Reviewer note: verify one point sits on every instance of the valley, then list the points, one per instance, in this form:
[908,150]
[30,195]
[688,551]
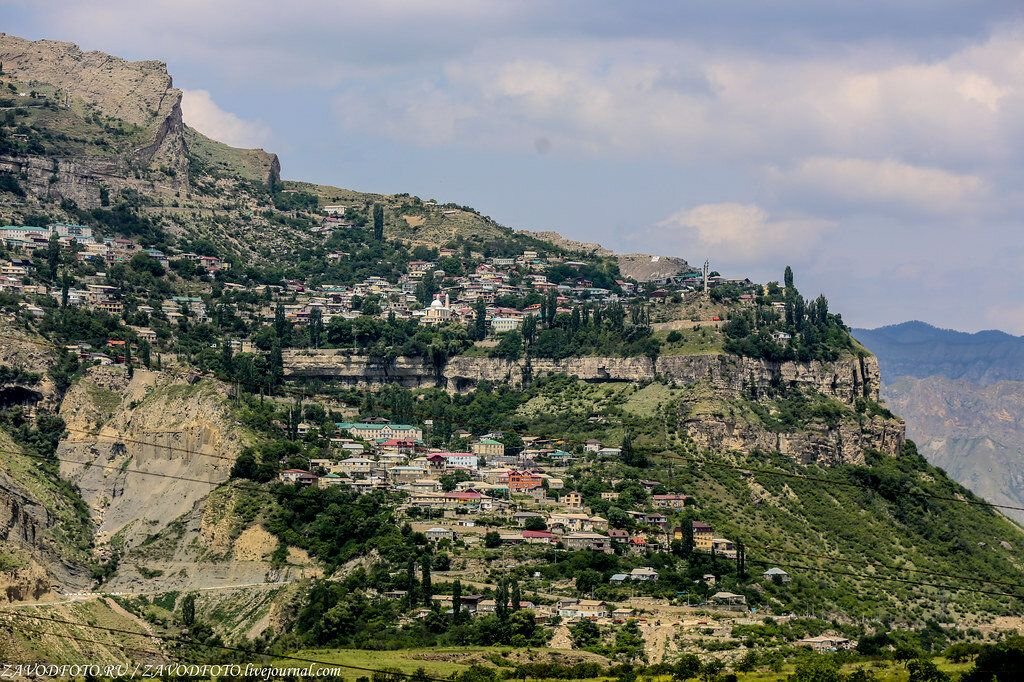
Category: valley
[248,419]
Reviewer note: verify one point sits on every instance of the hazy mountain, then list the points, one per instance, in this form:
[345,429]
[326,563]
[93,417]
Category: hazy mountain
[918,349]
[962,396]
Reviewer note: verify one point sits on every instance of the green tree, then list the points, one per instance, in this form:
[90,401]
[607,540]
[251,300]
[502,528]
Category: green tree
[584,633]
[226,358]
[316,327]
[587,581]
[276,364]
[450,480]
[685,668]
[816,668]
[188,610]
[378,223]
[492,539]
[510,347]
[1000,662]
[501,601]
[53,255]
[629,643]
[457,612]
[425,584]
[923,670]
[535,523]
[480,320]
[787,277]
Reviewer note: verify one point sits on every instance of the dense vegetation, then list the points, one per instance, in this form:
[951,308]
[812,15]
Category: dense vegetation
[801,331]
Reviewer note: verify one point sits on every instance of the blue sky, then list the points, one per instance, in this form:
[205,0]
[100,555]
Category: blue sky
[878,147]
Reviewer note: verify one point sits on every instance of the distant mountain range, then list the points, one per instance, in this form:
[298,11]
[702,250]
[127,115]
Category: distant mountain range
[962,396]
[920,350]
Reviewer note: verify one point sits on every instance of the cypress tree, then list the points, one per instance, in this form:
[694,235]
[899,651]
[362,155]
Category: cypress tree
[425,584]
[480,323]
[457,601]
[378,222]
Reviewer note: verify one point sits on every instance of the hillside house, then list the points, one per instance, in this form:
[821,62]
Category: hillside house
[827,643]
[297,477]
[488,447]
[572,500]
[595,542]
[438,533]
[669,501]
[728,600]
[354,466]
[522,481]
[381,430]
[582,609]
[454,460]
[703,535]
[776,574]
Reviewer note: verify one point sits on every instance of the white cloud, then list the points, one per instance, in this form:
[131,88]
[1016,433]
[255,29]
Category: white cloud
[741,233]
[887,181]
[200,112]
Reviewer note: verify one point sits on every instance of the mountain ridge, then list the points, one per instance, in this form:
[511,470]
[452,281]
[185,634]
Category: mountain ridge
[919,349]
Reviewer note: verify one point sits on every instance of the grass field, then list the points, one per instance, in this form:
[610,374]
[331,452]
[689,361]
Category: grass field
[446,662]
[884,671]
[443,662]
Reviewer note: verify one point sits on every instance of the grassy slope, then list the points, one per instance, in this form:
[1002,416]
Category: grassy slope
[32,641]
[218,158]
[69,536]
[850,524]
[443,662]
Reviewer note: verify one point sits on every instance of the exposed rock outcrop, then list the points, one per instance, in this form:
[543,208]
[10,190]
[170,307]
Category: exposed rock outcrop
[729,378]
[111,424]
[25,531]
[844,380]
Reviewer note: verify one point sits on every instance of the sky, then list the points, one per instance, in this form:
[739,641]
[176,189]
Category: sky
[876,146]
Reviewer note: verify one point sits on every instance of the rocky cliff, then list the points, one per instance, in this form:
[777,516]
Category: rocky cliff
[845,380]
[110,123]
[727,383]
[156,424]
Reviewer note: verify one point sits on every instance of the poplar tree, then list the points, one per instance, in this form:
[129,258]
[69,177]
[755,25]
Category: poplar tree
[378,222]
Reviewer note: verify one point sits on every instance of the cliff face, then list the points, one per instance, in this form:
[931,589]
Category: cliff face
[27,540]
[132,106]
[139,93]
[845,380]
[729,379]
[107,415]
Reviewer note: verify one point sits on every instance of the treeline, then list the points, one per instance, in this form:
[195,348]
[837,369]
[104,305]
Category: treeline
[590,330]
[802,331]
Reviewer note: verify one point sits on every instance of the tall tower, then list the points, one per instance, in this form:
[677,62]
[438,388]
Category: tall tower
[706,270]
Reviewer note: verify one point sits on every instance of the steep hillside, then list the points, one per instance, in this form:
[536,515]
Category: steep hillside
[962,396]
[975,433]
[153,424]
[175,410]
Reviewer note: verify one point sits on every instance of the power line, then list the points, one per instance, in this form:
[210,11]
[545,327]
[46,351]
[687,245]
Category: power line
[224,647]
[124,647]
[830,481]
[776,550]
[172,448]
